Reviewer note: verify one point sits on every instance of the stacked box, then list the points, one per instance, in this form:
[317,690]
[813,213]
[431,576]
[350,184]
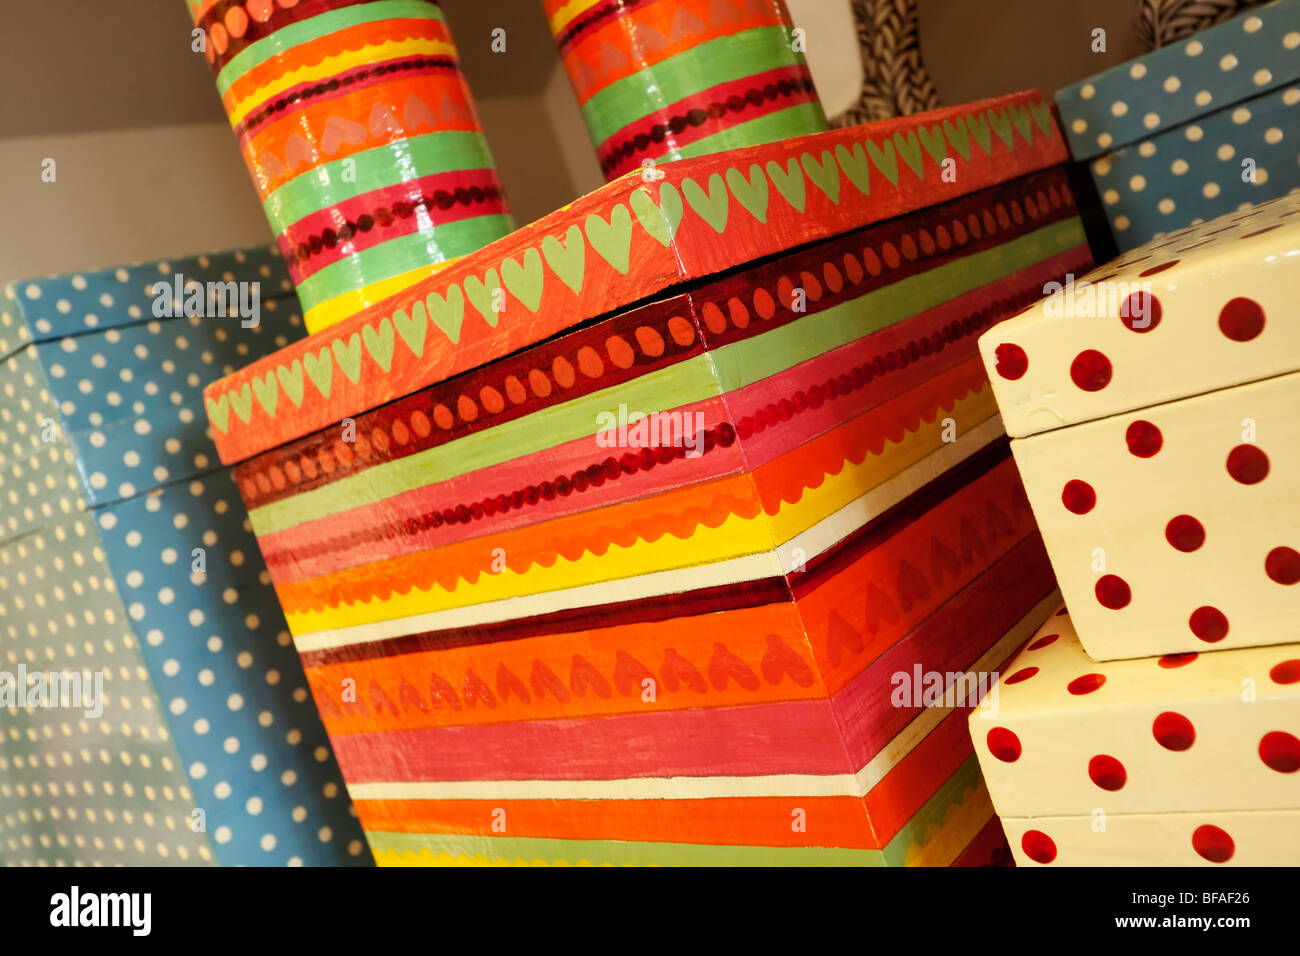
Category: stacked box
[673,585]
[360,132]
[1183,760]
[664,81]
[1195,129]
[126,558]
[1153,406]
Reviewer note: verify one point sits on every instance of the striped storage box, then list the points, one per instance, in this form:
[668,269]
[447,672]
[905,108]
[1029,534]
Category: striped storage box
[675,585]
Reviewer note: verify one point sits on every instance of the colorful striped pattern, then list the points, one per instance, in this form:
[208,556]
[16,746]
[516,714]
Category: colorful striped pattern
[360,133]
[628,242]
[663,80]
[531,647]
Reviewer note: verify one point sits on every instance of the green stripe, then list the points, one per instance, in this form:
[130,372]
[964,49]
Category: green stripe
[689,72]
[752,360]
[680,384]
[693,380]
[798,120]
[402,254]
[371,169]
[524,850]
[951,794]
[304,31]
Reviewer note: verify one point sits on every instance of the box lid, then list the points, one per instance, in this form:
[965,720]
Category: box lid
[1063,735]
[1207,307]
[627,241]
[1243,57]
[124,372]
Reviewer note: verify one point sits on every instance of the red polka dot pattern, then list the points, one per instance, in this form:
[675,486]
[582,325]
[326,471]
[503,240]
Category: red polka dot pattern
[1107,772]
[1170,661]
[1021,675]
[1248,464]
[1241,319]
[1173,731]
[1185,533]
[1038,846]
[1213,844]
[1011,361]
[1283,565]
[1280,751]
[1113,592]
[1143,439]
[1209,624]
[1004,744]
[1091,370]
[1141,312]
[1078,497]
[1287,672]
[1045,641]
[1086,684]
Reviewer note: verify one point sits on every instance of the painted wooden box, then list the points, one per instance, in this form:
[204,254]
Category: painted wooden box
[1153,406]
[578,581]
[1183,760]
[1195,129]
[174,726]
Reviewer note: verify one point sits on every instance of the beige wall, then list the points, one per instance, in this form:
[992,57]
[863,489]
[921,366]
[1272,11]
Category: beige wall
[148,169]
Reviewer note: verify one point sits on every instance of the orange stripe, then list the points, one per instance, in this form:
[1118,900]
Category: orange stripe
[618,34]
[487,679]
[676,513]
[743,821]
[332,44]
[310,123]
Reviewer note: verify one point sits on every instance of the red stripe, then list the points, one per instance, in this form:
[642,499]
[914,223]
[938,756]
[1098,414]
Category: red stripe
[376,217]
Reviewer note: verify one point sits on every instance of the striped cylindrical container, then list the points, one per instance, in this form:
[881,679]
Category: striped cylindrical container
[362,138]
[661,80]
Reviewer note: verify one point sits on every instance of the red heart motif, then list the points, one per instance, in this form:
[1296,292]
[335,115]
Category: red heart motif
[677,670]
[726,665]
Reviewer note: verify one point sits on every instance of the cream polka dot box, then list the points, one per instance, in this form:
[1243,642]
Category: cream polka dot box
[1194,129]
[152,707]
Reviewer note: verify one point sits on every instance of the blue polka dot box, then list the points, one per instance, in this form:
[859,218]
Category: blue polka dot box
[153,710]
[1193,130]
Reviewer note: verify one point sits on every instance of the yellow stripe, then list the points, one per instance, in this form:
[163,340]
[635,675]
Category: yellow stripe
[838,490]
[332,311]
[735,536]
[562,17]
[330,66]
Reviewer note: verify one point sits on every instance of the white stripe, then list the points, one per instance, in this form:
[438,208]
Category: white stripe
[703,788]
[814,541]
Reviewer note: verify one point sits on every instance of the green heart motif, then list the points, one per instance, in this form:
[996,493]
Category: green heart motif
[448,313]
[242,403]
[483,293]
[752,192]
[884,160]
[825,174]
[932,140]
[349,357]
[855,166]
[788,182]
[958,137]
[1042,116]
[979,128]
[412,327]
[379,344]
[1020,117]
[291,381]
[320,370]
[219,412]
[1001,125]
[568,259]
[712,206]
[910,149]
[267,392]
[613,239]
[659,221]
[525,282]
